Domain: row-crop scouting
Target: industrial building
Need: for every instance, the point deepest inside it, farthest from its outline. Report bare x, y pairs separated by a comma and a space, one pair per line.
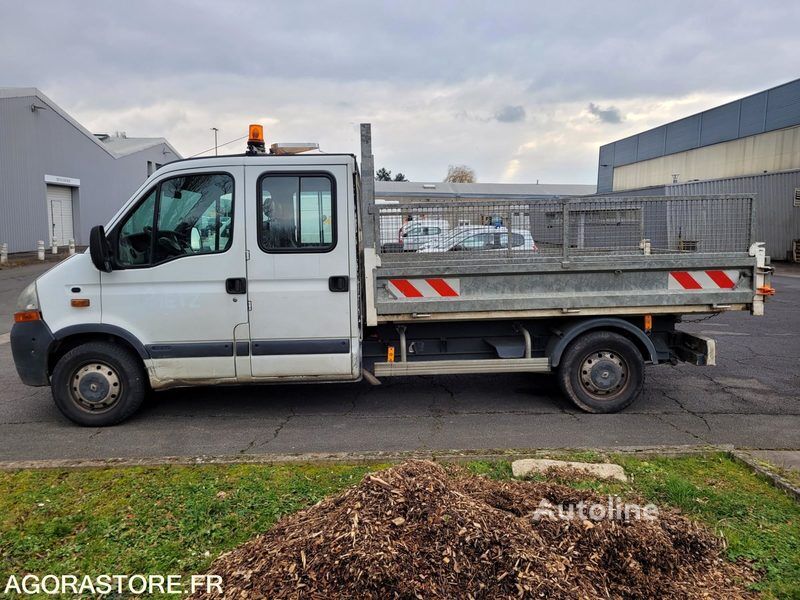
57, 179
749, 146
412, 191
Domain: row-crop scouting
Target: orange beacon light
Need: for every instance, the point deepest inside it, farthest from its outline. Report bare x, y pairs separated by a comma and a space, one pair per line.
255, 140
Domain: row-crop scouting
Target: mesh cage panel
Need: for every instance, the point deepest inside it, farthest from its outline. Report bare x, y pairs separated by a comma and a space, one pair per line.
522, 230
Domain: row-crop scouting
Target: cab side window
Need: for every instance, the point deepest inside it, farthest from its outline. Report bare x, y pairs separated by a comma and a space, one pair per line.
135, 243
182, 216
296, 213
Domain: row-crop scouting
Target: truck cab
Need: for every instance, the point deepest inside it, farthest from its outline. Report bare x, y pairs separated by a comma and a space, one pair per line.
231, 269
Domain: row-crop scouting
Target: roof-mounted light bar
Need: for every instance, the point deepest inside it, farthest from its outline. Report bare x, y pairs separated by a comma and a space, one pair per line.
293, 148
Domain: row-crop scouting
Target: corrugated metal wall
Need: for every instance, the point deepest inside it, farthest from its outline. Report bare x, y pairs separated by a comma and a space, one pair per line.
38, 143
777, 219
770, 110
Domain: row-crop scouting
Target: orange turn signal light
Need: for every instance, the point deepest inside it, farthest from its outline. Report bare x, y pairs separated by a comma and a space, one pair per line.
766, 290
27, 315
79, 302
256, 133
648, 322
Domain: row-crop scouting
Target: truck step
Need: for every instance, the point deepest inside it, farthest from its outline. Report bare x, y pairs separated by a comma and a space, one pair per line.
449, 367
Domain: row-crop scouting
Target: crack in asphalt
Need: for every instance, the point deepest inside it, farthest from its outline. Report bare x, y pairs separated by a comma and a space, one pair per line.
354, 399
676, 428
530, 413
691, 412
728, 389
278, 429
435, 413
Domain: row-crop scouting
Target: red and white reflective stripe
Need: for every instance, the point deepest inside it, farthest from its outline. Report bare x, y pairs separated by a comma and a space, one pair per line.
703, 280
424, 288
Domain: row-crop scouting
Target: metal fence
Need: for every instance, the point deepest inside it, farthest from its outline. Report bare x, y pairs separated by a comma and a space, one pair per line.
531, 229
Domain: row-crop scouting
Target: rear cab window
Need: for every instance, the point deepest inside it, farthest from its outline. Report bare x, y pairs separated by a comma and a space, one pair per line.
296, 212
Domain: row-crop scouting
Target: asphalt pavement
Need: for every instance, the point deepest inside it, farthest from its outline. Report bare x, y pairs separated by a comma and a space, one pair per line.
750, 400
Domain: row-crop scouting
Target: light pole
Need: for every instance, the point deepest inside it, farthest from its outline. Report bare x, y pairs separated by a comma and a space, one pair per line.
215, 130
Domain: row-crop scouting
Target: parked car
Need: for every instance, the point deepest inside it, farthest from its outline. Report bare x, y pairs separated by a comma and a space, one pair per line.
416, 234
484, 238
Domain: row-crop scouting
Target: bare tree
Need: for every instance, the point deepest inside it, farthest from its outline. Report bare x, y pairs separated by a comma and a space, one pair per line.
460, 174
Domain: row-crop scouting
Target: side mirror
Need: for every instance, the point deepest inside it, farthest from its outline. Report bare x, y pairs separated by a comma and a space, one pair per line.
100, 249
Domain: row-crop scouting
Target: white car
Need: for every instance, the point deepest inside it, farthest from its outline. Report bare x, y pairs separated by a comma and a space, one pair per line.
485, 237
416, 234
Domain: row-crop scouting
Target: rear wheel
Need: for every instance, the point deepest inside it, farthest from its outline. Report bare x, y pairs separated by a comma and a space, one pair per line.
98, 383
602, 372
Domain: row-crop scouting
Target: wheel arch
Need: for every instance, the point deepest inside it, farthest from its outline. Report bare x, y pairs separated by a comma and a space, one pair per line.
559, 343
70, 337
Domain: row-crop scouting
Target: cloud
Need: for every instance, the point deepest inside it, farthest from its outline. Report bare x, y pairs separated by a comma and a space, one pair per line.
511, 170
606, 115
439, 86
510, 114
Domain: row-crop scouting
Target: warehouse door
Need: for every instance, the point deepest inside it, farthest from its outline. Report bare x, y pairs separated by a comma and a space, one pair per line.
59, 203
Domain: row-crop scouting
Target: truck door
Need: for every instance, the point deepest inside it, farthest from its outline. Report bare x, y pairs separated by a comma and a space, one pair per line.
301, 273
178, 283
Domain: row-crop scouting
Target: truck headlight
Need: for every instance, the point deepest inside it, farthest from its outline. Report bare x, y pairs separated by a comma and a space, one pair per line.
28, 299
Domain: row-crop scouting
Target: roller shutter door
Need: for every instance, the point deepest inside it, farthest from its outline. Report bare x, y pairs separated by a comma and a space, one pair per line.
59, 202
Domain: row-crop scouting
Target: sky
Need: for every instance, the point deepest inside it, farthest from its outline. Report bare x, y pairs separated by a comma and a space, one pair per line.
519, 91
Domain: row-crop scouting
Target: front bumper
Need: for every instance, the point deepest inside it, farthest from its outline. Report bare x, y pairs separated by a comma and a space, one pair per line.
30, 347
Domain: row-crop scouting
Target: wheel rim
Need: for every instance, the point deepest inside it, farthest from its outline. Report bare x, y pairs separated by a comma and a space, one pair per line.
95, 387
604, 374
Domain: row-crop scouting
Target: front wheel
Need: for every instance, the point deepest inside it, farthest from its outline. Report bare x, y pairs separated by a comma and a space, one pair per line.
602, 372
98, 384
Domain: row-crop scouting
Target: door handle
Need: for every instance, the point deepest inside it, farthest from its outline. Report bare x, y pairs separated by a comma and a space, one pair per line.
236, 285
339, 283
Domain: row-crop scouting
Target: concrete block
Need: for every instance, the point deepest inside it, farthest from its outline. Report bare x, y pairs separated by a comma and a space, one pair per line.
527, 466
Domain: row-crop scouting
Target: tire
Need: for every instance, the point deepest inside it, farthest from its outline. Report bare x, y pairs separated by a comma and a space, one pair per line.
99, 384
602, 372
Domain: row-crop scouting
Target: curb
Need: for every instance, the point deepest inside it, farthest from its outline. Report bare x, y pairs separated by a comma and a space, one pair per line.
360, 457
774, 478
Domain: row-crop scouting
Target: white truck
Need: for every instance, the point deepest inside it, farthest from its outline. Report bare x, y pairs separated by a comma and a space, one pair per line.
269, 267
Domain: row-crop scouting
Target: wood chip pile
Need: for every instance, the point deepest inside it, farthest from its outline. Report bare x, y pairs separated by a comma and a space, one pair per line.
418, 530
